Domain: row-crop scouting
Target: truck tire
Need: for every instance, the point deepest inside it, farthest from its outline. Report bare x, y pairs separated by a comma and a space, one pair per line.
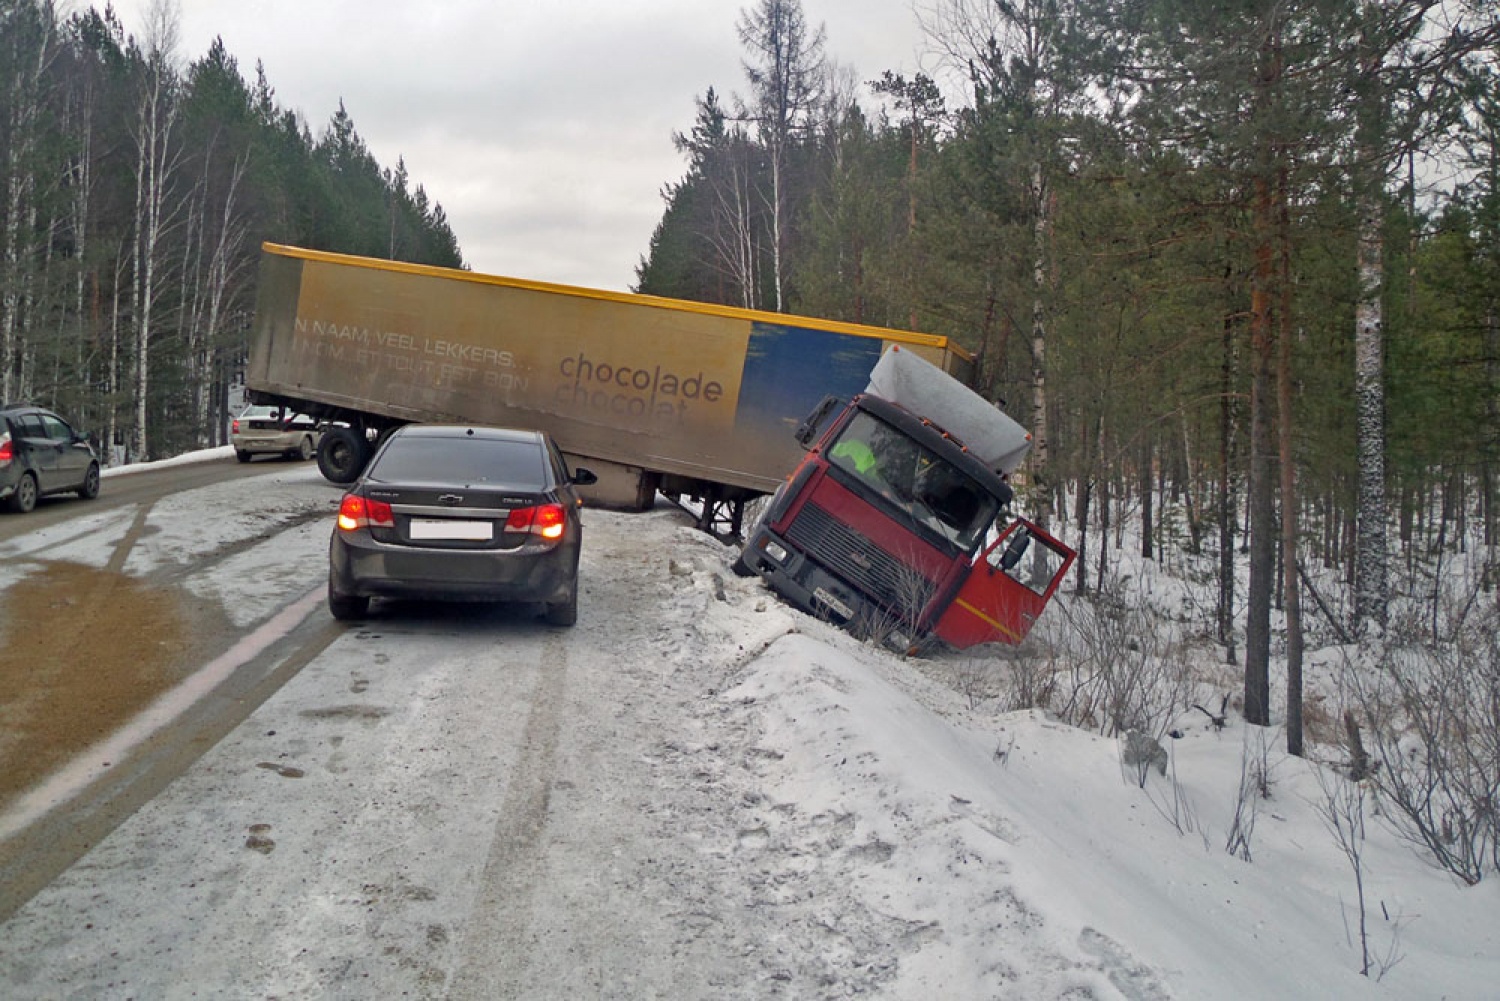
342, 455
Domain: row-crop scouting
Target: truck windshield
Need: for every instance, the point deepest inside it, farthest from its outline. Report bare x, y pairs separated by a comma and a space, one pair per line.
914, 479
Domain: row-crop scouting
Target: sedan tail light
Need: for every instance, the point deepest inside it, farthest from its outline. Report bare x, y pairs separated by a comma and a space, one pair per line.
547, 520
358, 512
7, 450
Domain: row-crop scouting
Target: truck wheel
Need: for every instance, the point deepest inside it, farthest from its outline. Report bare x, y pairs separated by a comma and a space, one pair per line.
342, 455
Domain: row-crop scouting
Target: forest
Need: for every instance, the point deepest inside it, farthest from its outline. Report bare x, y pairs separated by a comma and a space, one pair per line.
137, 190
1235, 265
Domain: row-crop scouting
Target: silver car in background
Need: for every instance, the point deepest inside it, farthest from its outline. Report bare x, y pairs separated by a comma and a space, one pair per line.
261, 430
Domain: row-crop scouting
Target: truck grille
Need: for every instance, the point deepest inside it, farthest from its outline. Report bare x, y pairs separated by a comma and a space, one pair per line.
859, 561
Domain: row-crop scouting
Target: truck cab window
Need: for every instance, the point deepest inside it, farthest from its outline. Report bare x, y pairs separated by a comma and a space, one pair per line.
933, 493
1027, 559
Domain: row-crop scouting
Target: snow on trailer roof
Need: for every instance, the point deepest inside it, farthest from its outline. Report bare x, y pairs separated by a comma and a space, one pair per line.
911, 381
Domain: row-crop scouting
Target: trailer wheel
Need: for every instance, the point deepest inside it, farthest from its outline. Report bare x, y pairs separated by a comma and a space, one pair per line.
342, 455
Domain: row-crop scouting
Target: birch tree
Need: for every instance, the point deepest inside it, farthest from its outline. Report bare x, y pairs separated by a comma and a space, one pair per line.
1408, 74
1018, 55
786, 74
217, 256
157, 209
719, 200
29, 38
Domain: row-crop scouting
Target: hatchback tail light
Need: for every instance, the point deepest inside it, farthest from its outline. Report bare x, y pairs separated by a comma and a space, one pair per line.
549, 521
234, 428
7, 450
358, 512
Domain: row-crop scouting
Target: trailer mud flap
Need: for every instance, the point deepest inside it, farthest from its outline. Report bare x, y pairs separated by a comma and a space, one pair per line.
1007, 588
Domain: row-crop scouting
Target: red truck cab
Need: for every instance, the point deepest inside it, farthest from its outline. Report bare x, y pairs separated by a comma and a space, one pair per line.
894, 528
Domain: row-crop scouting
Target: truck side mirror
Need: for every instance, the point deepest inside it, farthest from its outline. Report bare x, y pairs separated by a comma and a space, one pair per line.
1015, 549
807, 431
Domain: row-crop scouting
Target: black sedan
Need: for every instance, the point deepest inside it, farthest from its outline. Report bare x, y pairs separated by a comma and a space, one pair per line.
456, 513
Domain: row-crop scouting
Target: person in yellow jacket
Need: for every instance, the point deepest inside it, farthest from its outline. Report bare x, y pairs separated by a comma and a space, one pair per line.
858, 453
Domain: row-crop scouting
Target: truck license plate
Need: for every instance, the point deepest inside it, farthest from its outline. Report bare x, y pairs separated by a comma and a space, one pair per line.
822, 595
438, 529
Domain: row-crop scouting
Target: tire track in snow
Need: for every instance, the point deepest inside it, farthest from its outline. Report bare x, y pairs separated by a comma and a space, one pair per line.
498, 940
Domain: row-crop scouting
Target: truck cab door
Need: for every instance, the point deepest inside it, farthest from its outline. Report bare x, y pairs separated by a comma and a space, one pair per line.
1007, 587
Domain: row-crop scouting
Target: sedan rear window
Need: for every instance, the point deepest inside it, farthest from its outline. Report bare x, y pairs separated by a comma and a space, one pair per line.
461, 460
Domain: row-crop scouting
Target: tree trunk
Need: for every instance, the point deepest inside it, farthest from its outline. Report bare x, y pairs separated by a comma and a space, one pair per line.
1371, 558
1228, 491
1262, 466
1147, 513
1291, 584
1081, 505
1492, 412
31, 35
1039, 451
1104, 515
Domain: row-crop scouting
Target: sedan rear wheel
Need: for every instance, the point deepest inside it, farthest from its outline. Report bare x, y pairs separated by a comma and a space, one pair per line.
565, 612
24, 499
304, 449
346, 607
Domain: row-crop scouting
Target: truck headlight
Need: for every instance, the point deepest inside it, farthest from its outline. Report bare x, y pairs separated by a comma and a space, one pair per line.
775, 551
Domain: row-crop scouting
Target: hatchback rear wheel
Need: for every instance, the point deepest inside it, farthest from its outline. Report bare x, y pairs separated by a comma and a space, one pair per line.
24, 499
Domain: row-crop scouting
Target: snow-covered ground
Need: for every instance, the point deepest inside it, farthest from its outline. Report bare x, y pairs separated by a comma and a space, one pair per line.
698, 792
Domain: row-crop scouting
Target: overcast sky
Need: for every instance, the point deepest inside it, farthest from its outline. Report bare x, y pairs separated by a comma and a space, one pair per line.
543, 128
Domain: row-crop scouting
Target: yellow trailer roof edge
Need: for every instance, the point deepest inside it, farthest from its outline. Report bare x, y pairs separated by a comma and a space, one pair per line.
683, 305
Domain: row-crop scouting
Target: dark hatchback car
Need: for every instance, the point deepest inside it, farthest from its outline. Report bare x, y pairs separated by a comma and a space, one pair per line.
41, 454
455, 513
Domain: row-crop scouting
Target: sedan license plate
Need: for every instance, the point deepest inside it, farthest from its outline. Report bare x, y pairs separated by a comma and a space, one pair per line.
440, 529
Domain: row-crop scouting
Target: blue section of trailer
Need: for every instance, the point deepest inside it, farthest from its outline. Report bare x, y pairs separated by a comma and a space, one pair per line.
788, 371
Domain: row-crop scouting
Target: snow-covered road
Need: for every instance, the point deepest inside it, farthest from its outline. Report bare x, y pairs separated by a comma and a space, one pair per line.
694, 793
